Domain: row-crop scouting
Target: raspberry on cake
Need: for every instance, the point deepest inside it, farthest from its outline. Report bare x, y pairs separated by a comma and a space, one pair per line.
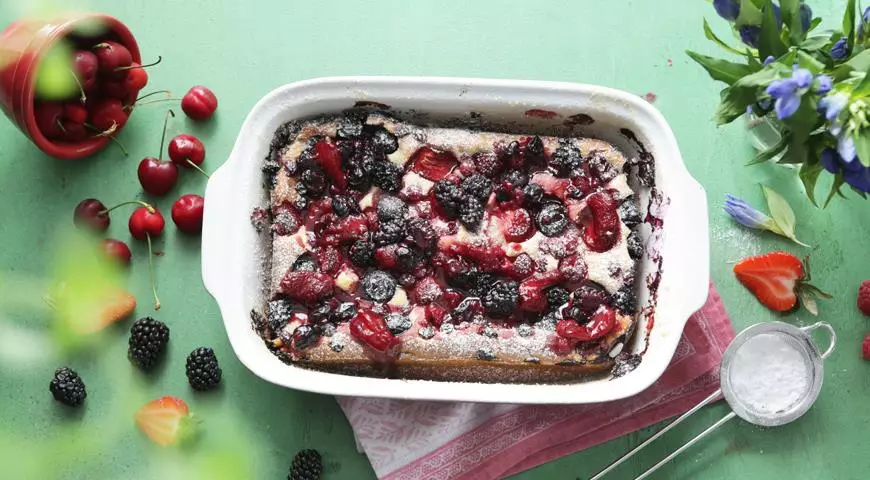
447, 254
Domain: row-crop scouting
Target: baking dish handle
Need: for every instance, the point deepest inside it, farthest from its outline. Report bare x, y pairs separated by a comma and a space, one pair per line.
217, 238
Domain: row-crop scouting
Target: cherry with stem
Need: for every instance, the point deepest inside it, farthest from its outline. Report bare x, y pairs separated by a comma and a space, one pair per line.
147, 222
156, 176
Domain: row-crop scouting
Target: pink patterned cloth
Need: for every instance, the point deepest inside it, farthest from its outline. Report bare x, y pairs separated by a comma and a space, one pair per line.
428, 440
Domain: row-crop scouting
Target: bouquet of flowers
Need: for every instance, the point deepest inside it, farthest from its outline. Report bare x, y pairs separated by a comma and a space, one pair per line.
813, 86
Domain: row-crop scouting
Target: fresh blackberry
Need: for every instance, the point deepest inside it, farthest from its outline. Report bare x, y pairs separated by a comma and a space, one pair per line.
278, 314
556, 297
423, 234
304, 263
305, 336
392, 210
552, 219
343, 313
629, 213
397, 323
501, 299
382, 138
379, 286
625, 300
533, 194
202, 369
635, 246
67, 387
362, 253
314, 182
535, 147
344, 205
389, 233
148, 339
307, 465
449, 195
517, 178
471, 213
350, 126
566, 159
387, 176
477, 186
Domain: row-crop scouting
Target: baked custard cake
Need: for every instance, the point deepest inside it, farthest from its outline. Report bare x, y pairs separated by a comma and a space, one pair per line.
447, 254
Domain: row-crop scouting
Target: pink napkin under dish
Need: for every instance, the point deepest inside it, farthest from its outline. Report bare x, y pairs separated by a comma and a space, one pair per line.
427, 440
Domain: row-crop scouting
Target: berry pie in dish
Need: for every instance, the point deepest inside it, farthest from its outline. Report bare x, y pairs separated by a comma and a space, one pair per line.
421, 252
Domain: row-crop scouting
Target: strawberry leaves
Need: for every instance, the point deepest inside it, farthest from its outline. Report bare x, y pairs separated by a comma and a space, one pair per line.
782, 215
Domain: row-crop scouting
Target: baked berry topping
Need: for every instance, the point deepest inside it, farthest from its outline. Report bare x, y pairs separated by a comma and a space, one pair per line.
556, 297
343, 313
382, 138
501, 298
387, 176
312, 183
304, 263
449, 196
306, 287
432, 164
625, 300
586, 301
566, 158
477, 186
392, 210
635, 246
471, 213
535, 146
304, 336
532, 297
629, 213
344, 230
423, 235
285, 219
552, 219
278, 313
397, 323
602, 322
573, 268
516, 225
533, 195
349, 126
344, 205
426, 333
487, 163
600, 167
321, 313
600, 222
379, 286
371, 329
329, 258
389, 232
362, 253
485, 354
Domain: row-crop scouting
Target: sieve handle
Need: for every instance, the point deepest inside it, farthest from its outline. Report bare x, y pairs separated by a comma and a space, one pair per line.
831, 334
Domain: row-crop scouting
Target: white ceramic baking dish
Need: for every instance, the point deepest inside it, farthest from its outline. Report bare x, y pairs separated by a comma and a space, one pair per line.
231, 252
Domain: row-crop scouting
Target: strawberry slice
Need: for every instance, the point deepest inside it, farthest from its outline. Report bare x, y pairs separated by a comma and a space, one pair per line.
601, 225
306, 287
532, 297
551, 184
371, 330
433, 164
328, 156
166, 421
345, 230
776, 279
602, 322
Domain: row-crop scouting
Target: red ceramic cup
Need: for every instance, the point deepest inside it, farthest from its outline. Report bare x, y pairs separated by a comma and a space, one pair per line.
23, 45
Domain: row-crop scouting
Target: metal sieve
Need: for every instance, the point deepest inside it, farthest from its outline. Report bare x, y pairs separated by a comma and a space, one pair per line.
806, 354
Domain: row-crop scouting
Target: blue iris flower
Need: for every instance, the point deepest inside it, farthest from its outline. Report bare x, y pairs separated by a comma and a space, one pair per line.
806, 14
855, 174
846, 148
727, 9
788, 91
831, 160
744, 213
859, 178
840, 50
769, 60
832, 105
825, 84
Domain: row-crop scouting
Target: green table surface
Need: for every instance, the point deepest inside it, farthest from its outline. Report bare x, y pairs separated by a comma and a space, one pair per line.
244, 49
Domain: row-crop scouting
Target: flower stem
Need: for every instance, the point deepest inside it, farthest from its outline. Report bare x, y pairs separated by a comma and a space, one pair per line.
151, 273
197, 168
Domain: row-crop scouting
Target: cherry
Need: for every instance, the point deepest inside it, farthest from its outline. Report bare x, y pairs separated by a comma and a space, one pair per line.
117, 250
86, 65
147, 222
91, 213
73, 132
187, 213
137, 79
115, 88
75, 112
156, 176
107, 115
199, 103
111, 56
188, 151
48, 118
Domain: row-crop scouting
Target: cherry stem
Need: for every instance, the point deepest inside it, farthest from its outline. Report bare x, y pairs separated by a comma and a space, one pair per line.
197, 167
152, 93
130, 202
151, 273
163, 137
158, 101
60, 125
131, 67
108, 134
84, 97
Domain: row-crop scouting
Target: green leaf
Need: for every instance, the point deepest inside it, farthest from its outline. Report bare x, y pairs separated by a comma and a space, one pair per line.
805, 119
769, 41
791, 18
781, 213
721, 70
849, 23
835, 189
750, 14
772, 151
805, 60
743, 93
863, 87
809, 175
753, 62
862, 146
731, 107
815, 23
708, 32
814, 44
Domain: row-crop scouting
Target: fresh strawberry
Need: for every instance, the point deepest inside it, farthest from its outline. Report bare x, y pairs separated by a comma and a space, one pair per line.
551, 184
532, 297
328, 156
432, 164
864, 298
307, 287
602, 322
865, 347
601, 222
166, 421
516, 225
776, 279
371, 329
